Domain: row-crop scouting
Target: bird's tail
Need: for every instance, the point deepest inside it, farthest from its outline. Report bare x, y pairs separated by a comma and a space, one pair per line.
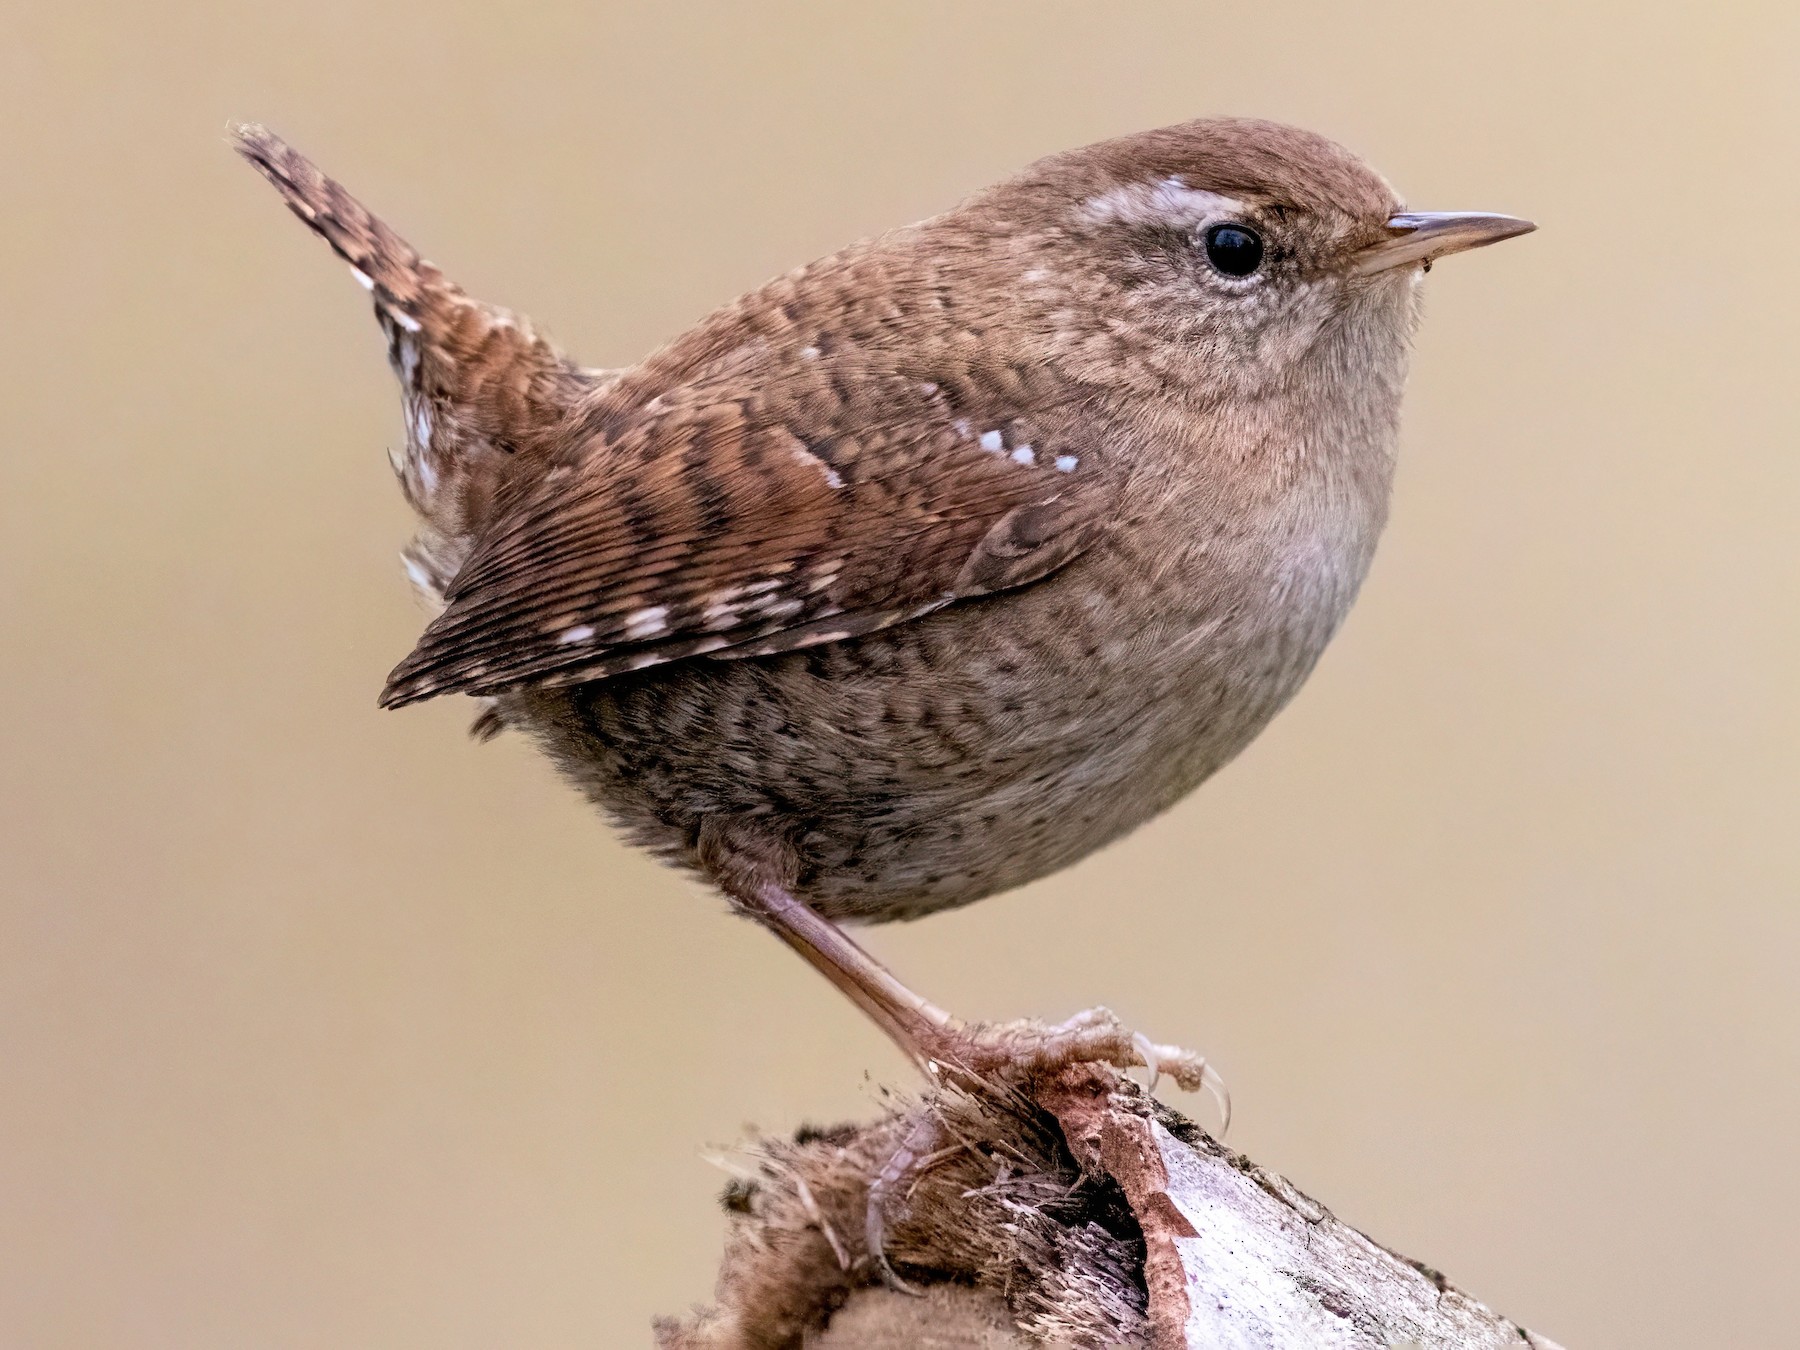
406, 287
479, 385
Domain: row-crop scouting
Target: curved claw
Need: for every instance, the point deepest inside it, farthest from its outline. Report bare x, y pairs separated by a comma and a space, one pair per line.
1146, 1049
891, 1278
1191, 1072
920, 1138
1221, 1095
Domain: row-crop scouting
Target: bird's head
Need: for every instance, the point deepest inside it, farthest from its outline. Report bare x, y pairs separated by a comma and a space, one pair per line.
1220, 254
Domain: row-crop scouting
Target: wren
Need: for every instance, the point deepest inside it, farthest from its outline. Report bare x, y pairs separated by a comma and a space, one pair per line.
933, 566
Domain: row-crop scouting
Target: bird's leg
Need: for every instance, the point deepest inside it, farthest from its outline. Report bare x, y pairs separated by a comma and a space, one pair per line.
982, 1056
912, 1022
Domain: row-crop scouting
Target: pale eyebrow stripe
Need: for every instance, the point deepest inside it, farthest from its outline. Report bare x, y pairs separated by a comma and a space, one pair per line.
1167, 201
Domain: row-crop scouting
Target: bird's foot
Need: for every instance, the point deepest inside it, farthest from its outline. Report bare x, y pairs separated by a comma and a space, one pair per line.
1004, 1058
1013, 1053
908, 1160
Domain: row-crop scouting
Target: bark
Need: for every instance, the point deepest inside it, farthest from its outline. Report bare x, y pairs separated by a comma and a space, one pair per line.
1073, 1212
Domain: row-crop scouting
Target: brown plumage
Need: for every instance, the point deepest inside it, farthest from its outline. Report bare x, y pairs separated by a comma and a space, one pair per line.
932, 566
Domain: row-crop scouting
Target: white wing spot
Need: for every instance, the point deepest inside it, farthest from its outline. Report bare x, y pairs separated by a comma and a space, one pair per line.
581, 632
422, 424
1066, 463
363, 279
806, 456
960, 426
647, 622
405, 320
1035, 274
409, 359
1023, 455
992, 442
928, 389
810, 353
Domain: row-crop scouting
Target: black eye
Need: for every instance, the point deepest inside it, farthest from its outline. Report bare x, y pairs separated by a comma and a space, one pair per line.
1236, 250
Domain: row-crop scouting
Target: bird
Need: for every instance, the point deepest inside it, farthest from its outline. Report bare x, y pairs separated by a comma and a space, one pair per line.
929, 568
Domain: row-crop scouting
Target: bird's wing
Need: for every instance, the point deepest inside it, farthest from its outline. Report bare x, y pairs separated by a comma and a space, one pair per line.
748, 517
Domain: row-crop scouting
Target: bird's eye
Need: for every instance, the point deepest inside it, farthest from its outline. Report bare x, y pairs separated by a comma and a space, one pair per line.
1236, 250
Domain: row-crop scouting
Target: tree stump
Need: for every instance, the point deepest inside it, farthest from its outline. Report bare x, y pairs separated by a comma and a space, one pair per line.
1075, 1211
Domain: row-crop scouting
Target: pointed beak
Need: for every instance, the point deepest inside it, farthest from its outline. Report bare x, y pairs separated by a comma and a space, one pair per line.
1421, 237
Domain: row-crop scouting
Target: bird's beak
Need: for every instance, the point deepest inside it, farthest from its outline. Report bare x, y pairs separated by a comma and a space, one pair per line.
1420, 237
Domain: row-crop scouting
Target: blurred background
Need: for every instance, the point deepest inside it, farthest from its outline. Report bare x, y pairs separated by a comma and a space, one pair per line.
326, 1027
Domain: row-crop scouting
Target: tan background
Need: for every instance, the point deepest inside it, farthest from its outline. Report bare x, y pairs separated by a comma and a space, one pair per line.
324, 1027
